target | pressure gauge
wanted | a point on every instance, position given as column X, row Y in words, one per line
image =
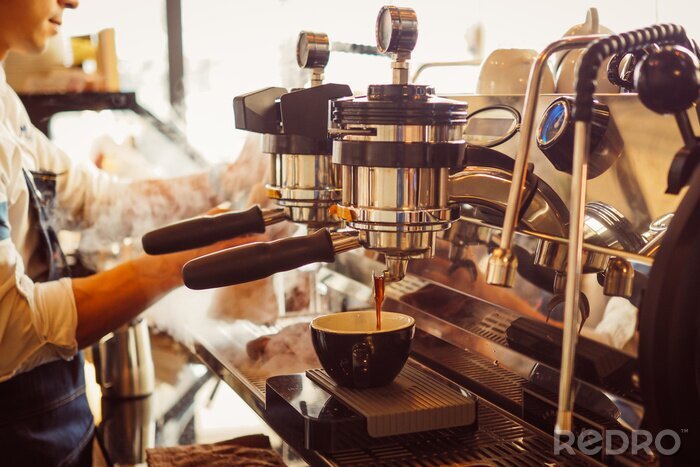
column 555, row 121
column 396, row 30
column 555, row 137
column 313, row 49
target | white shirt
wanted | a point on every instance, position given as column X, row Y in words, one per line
column 37, row 320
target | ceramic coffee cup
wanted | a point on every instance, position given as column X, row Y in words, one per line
column 357, row 355
column 568, row 71
column 566, row 62
column 506, row 71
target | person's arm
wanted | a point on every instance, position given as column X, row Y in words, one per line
column 108, row 299
column 43, row 322
column 168, row 200
column 113, row 209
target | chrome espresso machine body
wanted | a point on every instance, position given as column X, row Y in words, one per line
column 395, row 148
column 495, row 341
column 491, row 289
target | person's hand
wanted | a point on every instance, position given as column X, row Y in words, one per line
column 174, row 262
column 108, row 299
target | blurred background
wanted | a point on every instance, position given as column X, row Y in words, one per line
column 231, row 47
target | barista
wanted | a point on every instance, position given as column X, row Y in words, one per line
column 46, row 317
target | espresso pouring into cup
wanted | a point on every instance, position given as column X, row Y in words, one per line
column 378, row 297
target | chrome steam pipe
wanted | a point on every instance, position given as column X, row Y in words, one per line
column 502, row 264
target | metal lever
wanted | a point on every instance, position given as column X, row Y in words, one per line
column 585, row 86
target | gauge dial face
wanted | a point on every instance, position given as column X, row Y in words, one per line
column 553, row 123
column 396, row 30
column 302, row 49
column 313, row 50
column 385, row 27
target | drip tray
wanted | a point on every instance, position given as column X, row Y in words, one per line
column 414, row 402
column 330, row 419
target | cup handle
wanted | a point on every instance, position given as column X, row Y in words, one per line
column 592, row 21
column 360, row 364
column 101, row 350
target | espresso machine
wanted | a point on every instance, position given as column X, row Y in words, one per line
column 552, row 270
column 394, row 148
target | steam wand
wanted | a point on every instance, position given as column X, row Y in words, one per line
column 591, row 61
column 503, row 264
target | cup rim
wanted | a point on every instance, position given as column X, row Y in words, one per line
column 314, row 323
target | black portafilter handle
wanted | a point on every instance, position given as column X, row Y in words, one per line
column 258, row 260
column 203, row 231
column 601, row 49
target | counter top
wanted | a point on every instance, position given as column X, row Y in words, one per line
column 498, row 438
column 221, row 345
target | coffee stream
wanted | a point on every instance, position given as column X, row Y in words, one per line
column 378, row 296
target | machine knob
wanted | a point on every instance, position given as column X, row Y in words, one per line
column 667, row 80
column 313, row 49
column 396, row 30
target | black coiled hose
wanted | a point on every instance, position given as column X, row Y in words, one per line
column 621, row 44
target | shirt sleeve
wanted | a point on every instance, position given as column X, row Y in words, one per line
column 37, row 321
